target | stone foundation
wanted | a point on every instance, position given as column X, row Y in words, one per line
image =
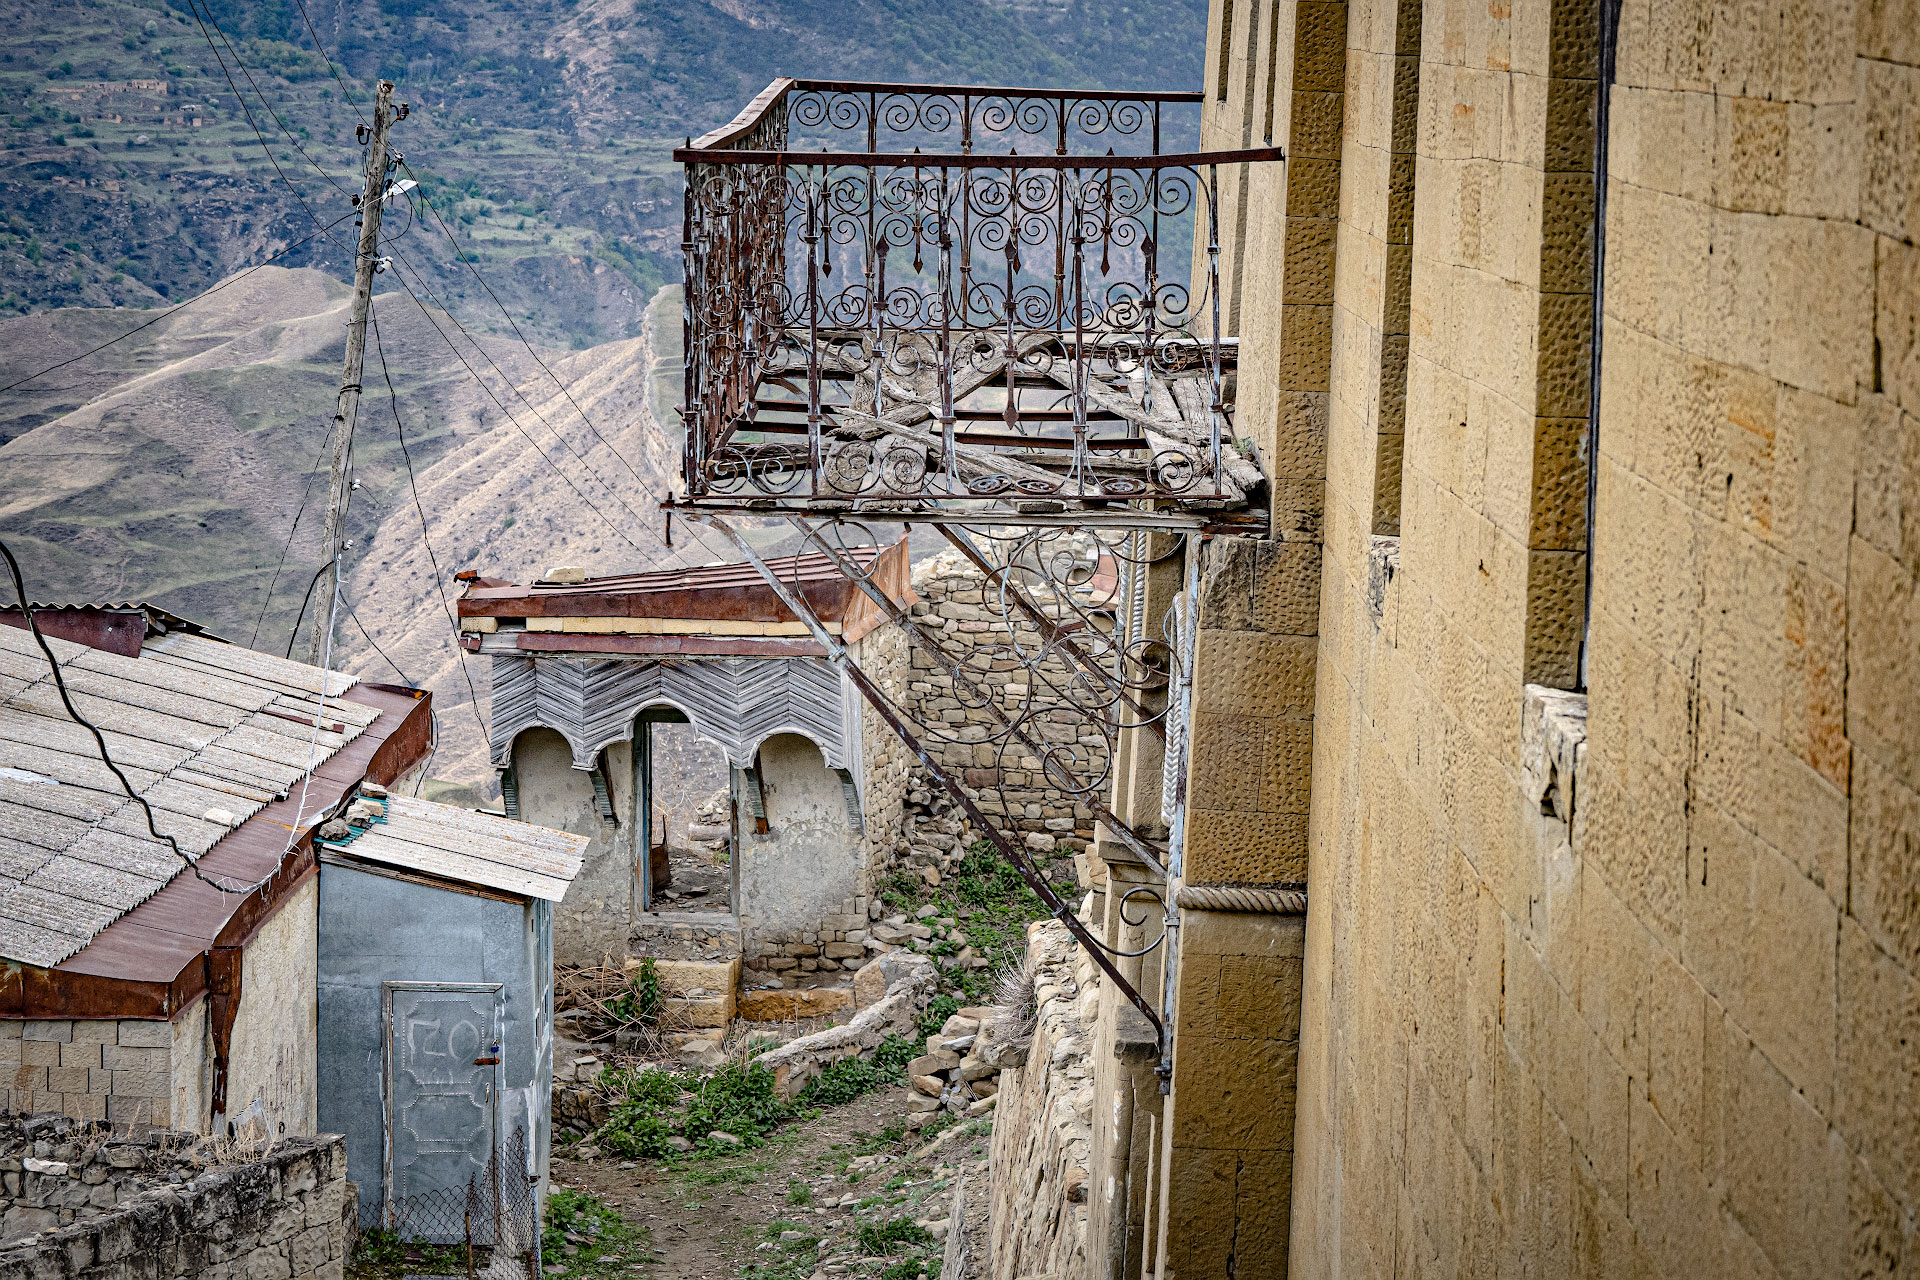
column 1042, row 1130
column 81, row 1204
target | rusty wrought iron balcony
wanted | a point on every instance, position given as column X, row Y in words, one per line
column 929, row 301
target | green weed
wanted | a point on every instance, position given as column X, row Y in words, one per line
column 892, row 1236
column 583, row 1237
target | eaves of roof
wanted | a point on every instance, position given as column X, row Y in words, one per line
column 150, row 963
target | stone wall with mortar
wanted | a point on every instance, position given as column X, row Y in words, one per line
column 1654, row 1011
column 83, row 1204
column 1043, row 1124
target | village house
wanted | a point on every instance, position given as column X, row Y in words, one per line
column 297, row 976
column 586, row 670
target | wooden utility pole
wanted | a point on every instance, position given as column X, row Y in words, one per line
column 349, row 402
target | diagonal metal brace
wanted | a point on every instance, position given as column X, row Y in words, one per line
column 1128, row 836
column 1052, row 630
column 838, row 655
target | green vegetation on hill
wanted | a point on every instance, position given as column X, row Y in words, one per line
column 541, row 128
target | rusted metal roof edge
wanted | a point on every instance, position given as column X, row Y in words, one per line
column 728, row 593
column 147, row 964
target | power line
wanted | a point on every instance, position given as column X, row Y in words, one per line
column 230, row 280
column 509, row 413
column 426, row 540
column 467, row 260
column 312, row 471
column 100, row 742
column 322, row 49
column 241, row 98
column 532, row 408
column 355, row 615
column 238, row 61
column 460, row 253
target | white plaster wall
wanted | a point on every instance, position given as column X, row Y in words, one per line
column 596, row 918
column 809, row 862
column 272, row 1055
column 191, row 1079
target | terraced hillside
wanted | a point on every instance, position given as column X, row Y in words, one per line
column 131, row 171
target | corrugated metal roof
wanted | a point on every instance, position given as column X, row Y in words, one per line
column 693, row 600
column 198, row 726
column 477, row 848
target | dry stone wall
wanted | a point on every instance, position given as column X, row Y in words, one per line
column 1043, row 1126
column 78, row 1202
column 964, row 737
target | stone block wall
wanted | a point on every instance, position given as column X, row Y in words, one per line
column 82, row 1204
column 1649, row 1011
column 93, row 1070
column 1043, row 1124
column 1005, row 781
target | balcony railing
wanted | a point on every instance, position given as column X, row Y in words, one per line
column 909, row 298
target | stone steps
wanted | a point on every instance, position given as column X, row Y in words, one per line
column 717, row 983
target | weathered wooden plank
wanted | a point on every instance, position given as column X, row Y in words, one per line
column 377, row 847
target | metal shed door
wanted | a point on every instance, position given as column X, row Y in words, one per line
column 442, row 1060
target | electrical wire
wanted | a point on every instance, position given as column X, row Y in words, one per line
column 355, row 615
column 426, row 540
column 100, row 741
column 180, row 306
column 510, row 418
column 241, row 98
column 259, row 93
column 345, row 93
column 314, row 581
column 532, row 408
column 467, row 259
column 312, row 472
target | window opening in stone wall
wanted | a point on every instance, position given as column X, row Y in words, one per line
column 690, row 829
column 1226, row 51
column 1273, row 66
column 1602, row 113
column 1395, row 319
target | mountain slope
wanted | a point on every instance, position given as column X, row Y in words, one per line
column 130, row 172
column 177, row 470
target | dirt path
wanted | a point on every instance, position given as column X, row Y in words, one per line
column 789, row 1210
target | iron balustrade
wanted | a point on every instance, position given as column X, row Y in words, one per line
column 921, row 297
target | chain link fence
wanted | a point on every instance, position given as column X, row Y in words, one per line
column 488, row 1228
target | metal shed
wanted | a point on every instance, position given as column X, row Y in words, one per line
column 436, row 1003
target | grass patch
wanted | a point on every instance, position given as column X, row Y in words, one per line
column 380, row 1254
column 584, row 1237
column 653, row 1107
column 843, row 1081
column 896, row 1235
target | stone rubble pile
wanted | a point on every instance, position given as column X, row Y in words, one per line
column 933, row 833
column 960, row 1071
column 711, row 827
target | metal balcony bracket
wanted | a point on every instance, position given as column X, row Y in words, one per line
column 1015, row 730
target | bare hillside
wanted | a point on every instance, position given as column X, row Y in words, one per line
column 172, row 467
